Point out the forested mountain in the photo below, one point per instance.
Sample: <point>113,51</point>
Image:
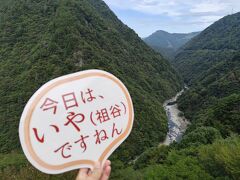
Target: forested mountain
<point>210,63</point>
<point>168,43</point>
<point>41,40</point>
<point>218,43</point>
<point>210,148</point>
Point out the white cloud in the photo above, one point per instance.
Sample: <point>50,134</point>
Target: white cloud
<point>173,15</point>
<point>209,19</point>
<point>177,7</point>
<point>155,7</point>
<point>208,7</point>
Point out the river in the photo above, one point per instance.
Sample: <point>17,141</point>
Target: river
<point>177,123</point>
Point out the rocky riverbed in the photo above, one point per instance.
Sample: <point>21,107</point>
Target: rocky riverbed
<point>177,123</point>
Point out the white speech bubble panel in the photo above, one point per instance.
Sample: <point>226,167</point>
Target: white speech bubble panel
<point>75,120</point>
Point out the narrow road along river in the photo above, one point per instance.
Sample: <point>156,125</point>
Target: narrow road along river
<point>177,123</point>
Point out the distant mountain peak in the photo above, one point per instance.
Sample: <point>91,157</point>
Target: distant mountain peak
<point>168,43</point>
<point>161,31</point>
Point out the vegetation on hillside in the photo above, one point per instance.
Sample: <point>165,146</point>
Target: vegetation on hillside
<point>210,64</point>
<point>214,97</point>
<point>42,40</point>
<point>212,158</point>
<point>218,43</point>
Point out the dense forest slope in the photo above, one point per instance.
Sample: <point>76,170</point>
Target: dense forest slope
<point>210,63</point>
<point>219,42</point>
<point>41,40</point>
<point>210,148</point>
<point>168,43</point>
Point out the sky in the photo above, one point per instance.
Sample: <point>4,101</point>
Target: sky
<point>174,16</point>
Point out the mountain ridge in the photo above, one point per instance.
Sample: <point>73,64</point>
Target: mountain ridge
<point>218,42</point>
<point>168,43</point>
<point>210,64</point>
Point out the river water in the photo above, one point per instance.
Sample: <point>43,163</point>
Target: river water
<point>177,123</point>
